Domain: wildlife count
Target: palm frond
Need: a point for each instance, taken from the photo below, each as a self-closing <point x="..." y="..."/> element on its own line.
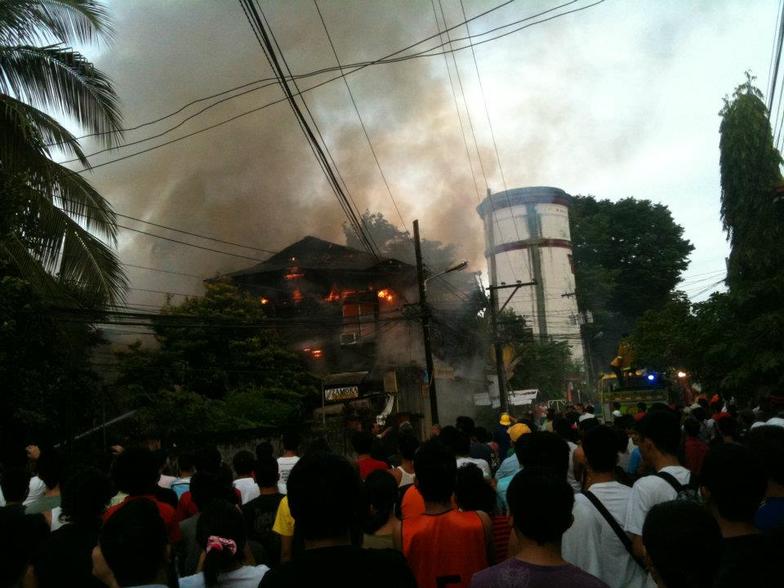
<point x="56" y="77"/>
<point x="27" y="133"/>
<point x="43" y="21"/>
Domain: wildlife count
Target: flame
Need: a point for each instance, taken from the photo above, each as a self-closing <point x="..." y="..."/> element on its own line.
<point x="294" y="275"/>
<point x="296" y="295"/>
<point x="317" y="353"/>
<point x="334" y="295"/>
<point x="264" y="300"/>
<point x="386" y="294"/>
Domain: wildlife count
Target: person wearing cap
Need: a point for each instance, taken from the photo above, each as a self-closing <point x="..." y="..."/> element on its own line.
<point x="510" y="466"/>
<point x="501" y="435"/>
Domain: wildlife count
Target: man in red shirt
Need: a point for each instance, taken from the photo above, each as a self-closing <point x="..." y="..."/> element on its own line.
<point x="136" y="474"/>
<point x="362" y="441"/>
<point x="694" y="448"/>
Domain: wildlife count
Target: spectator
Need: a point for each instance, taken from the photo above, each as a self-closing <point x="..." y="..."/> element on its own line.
<point x="480" y="447"/>
<point x="473" y="493"/>
<point x="380" y="525"/>
<point x="182" y="484"/>
<point x="133" y="547"/>
<point x="588" y="414"/>
<point x="500" y="435"/>
<point x="443" y="541"/>
<point x="596" y="541"/>
<point x="362" y="441"/>
<point x="682" y="545"/>
<point x="50" y="471"/>
<point x="21" y="535"/>
<point x="283" y="527"/>
<point x="66" y="558"/>
<point x="404" y="473"/>
<point x="510" y="466"/>
<point x="694" y="448"/>
<point x="659" y="438"/>
<point x="549" y="420"/>
<point x="260" y="513"/>
<point x="541" y="505"/>
<point x="616" y="410"/>
<point x="221" y="535"/>
<point x="733" y="484"/>
<point x="37" y="488"/>
<point x="136" y="474"/>
<point x="768" y="443"/>
<point x="206" y="487"/>
<point x="568" y="432"/>
<point x="289" y="458"/>
<point x="642" y="409"/>
<point x="244" y="463"/>
<point x="462" y="449"/>
<point x="208" y="459"/>
<point x="325" y="495"/>
<point x="727" y="427"/>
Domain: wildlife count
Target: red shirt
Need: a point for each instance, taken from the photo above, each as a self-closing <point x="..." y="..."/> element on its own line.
<point x="368" y="465"/>
<point x="694" y="450"/>
<point x="166" y="511"/>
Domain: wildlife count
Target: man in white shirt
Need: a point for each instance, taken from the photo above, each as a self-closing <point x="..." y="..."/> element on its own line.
<point x="592" y="543"/>
<point x="462" y="448"/>
<point x="288" y="460"/>
<point x="659" y="438"/>
<point x="244" y="463"/>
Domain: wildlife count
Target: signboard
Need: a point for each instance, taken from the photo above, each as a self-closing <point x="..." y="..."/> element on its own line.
<point x="341" y="394"/>
<point x="522" y="397"/>
<point x="482" y="399"/>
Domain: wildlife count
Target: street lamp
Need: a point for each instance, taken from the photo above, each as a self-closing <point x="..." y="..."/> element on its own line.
<point x="460" y="266"/>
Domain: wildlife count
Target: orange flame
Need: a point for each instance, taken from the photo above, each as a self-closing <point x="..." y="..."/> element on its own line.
<point x="296" y="296"/>
<point x="386" y="294"/>
<point x="264" y="300"/>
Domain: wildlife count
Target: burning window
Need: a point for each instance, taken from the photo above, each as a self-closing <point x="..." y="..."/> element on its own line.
<point x="386" y="295"/>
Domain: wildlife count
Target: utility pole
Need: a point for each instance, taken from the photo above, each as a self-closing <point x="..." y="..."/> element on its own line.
<point x="425" y="312"/>
<point x="499" y="354"/>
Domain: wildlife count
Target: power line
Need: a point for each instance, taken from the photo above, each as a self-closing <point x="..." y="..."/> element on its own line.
<point x="362" y="65"/>
<point x="359" y="116"/>
<point x="163" y="271"/>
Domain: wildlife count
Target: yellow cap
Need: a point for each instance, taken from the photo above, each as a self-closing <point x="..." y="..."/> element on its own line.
<point x="505" y="420"/>
<point x="517" y="431"/>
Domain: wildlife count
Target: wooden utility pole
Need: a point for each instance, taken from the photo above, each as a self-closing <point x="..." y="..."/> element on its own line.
<point x="425" y="314"/>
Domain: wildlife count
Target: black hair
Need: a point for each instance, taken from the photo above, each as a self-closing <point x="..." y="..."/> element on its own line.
<point x="703" y="402"/>
<point x="691" y="427"/>
<point x="482" y="435"/>
<point x="207" y="486"/>
<point x="435" y="469"/>
<point x="448" y="437"/>
<point x="540" y="503"/>
<point x="381" y="495"/>
<point x="267" y="474"/>
<point x="264" y="449"/>
<point x="767" y="442"/>
<point x="543" y="449"/>
<point x="728" y="426"/>
<point x="244" y="463"/>
<point x="472" y="492"/>
<point x="590" y="409"/>
<point x="362" y="442"/>
<point x="642" y="407"/>
<point x="586" y="425"/>
<point x="133" y="542"/>
<point x="465" y="424"/>
<point x="15" y="483"/>
<point x="616" y="405"/>
<point x="408" y="446"/>
<point x="563" y="428"/>
<point x="224" y="520"/>
<point x="85" y="496"/>
<point x="462" y="444"/>
<point x="136" y="471"/>
<point x="186" y="462"/>
<point x="663" y="428"/>
<point x="601" y="449"/>
<point x="684" y="544"/>
<point x="325" y="496"/>
<point x="736" y="480"/>
<point x="22" y="539"/>
<point x="290" y="441"/>
<point x="699" y="413"/>
<point x="50" y="468"/>
<point x="319" y="445"/>
<point x="208" y="458"/>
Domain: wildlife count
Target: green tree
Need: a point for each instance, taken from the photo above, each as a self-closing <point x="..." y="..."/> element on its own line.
<point x="220" y="363"/>
<point x="664" y="338"/>
<point x="52" y="222"/>
<point x="628" y="257"/>
<point x="545" y="365"/>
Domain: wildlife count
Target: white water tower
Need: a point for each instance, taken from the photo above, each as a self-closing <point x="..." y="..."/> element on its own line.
<point x="527" y="239"/>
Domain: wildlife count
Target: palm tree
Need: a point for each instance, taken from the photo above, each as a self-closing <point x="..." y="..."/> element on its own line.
<point x="53" y="224"/>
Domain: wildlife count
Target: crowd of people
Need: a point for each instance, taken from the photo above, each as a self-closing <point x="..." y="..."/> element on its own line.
<point x="659" y="496"/>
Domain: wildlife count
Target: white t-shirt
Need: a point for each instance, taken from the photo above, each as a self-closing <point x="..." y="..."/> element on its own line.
<point x="248" y="489"/>
<point x="480" y="463"/>
<point x="165" y="481"/>
<point x="244" y="577"/>
<point x="37" y="490"/>
<point x="591" y="544"/>
<point x="285" y="465"/>
<point x="624" y="457"/>
<point x="649" y="491"/>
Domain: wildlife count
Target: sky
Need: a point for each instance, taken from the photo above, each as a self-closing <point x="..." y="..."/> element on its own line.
<point x="620" y="99"/>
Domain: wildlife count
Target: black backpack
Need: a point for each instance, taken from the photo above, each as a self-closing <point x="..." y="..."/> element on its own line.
<point x="688" y="492"/>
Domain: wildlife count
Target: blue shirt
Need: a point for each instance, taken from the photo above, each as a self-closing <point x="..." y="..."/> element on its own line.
<point x="634" y="461"/>
<point x="509" y="467"/>
<point x="770" y="516"/>
<point x="501" y="487"/>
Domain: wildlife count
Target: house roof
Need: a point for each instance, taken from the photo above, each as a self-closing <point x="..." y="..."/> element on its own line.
<point x="314" y="253"/>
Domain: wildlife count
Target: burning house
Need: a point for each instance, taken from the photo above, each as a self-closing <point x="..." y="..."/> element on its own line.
<point x="356" y="319"/>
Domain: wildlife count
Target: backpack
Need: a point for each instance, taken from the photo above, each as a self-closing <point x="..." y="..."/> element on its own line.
<point x="688" y="492"/>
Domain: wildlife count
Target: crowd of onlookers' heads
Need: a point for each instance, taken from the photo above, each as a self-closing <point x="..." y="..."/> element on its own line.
<point x="655" y="496"/>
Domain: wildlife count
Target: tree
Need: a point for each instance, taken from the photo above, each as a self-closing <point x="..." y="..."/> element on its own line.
<point x="218" y="367"/>
<point x="52" y="222"/>
<point x="664" y="338"/>
<point x="628" y="257"/>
